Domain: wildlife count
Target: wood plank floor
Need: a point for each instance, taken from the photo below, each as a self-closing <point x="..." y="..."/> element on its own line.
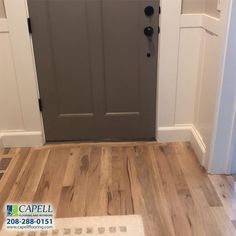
<point x="162" y="182"/>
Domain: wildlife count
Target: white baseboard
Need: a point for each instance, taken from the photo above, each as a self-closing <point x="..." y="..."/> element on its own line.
<point x="184" y="133"/>
<point x="198" y="146"/>
<point x="21" y="139"/>
<point x="174" y="134"/>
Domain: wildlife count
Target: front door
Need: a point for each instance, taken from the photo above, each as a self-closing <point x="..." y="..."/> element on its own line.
<point x="96" y="63"/>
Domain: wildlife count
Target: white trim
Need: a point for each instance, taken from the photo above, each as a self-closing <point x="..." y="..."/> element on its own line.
<point x="221" y="147"/>
<point x="24" y="65"/>
<point x="198" y="146"/>
<point x="3" y="26"/>
<point x="219" y="5"/>
<point x="31" y="131"/>
<point x="207" y="22"/>
<point x="228" y="98"/>
<point x="191" y="20"/>
<point x="35" y="75"/>
<point x="231" y="165"/>
<point x="184" y="133"/>
<point x="21" y="139"/>
<point x="174" y="133"/>
<point x="211" y="24"/>
<point x="168" y="61"/>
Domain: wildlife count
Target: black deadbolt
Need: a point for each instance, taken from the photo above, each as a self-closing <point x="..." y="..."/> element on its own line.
<point x="148" y="31"/>
<point x="149" y="11"/>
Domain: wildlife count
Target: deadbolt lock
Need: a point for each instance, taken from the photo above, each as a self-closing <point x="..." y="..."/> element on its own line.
<point x="149" y="11"/>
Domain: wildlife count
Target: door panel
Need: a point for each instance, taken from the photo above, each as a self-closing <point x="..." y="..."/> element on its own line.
<point x="95" y="79"/>
<point x="130" y="77"/>
<point x="64" y="68"/>
<point x="122" y="55"/>
<point x="71" y="57"/>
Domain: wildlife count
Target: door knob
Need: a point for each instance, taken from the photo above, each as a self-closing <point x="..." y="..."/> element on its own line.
<point x="148" y="31"/>
<point x="149" y="11"/>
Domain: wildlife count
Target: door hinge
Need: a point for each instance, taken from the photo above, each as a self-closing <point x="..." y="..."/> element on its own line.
<point x="159" y="10"/>
<point x="40" y="104"/>
<point x="159" y="30"/>
<point x="29" y="25"/>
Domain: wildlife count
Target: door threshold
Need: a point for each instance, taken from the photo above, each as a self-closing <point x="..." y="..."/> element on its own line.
<point x="105" y="142"/>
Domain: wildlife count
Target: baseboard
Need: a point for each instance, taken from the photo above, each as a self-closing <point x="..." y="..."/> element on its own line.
<point x="174" y="133"/>
<point x="198" y="146"/>
<point x="184" y="133"/>
<point x="21" y="139"/>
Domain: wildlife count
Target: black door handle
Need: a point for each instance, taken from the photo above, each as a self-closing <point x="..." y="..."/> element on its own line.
<point x="148" y="31"/>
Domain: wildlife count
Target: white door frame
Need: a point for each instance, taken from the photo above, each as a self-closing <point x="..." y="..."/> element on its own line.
<point x="32" y="132"/>
<point x="223" y="151"/>
<point x="17" y="14"/>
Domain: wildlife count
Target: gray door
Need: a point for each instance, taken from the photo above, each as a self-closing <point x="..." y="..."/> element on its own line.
<point x="97" y="67"/>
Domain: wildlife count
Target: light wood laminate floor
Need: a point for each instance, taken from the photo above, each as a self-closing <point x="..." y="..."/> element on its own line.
<point x="162" y="182"/>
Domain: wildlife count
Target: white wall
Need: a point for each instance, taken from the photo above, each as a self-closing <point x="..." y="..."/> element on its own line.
<point x="10" y="118"/>
<point x="188" y="74"/>
<point x="187" y="104"/>
<point x="20" y="121"/>
<point x="193" y="6"/>
<point x="209" y="7"/>
<point x="182" y="48"/>
<point x="207" y="91"/>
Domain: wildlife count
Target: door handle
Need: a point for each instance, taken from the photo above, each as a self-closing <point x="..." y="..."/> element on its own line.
<point x="148" y="31"/>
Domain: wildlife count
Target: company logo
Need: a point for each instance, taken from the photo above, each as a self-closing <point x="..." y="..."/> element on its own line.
<point x="16" y="210"/>
<point x="12" y="210"/>
<point x="29" y="216"/>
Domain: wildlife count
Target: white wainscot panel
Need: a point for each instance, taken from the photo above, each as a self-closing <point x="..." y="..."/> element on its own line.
<point x="208" y="89"/>
<point x="10" y="118"/>
<point x="188" y="74"/>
